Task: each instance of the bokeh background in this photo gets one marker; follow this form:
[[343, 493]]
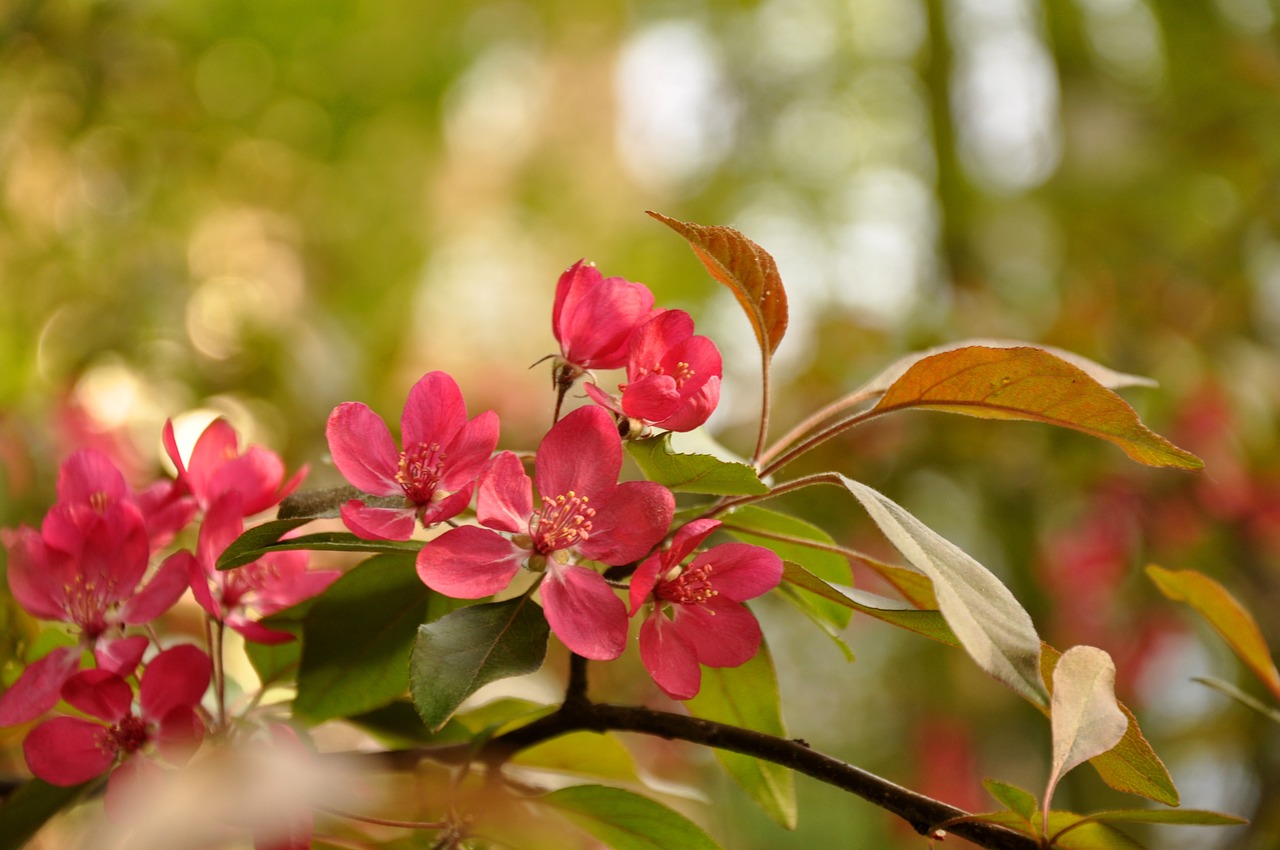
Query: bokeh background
[[262, 209]]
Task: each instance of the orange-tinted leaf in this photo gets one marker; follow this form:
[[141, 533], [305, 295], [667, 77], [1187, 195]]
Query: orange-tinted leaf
[[1227, 616], [1131, 766], [744, 267], [1034, 385]]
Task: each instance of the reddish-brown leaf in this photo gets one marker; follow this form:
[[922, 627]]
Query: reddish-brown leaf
[[748, 271], [1029, 384]]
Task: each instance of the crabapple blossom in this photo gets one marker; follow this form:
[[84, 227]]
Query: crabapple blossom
[[698, 617], [594, 316], [217, 466], [584, 513], [434, 474], [90, 477], [673, 376]]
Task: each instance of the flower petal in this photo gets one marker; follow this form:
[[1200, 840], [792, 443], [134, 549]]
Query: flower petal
[[179, 735], [88, 475], [378, 523], [470, 450], [630, 524], [695, 410], [160, 593], [669, 658], [644, 579], [584, 612], [68, 750], [581, 453], [434, 411], [37, 689], [363, 450], [722, 633], [741, 571], [99, 693], [38, 575], [690, 537], [176, 678], [468, 562], [506, 495], [652, 398], [122, 655]]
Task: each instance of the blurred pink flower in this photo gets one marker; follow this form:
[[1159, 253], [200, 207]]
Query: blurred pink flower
[[698, 616], [594, 316], [240, 597], [71, 750], [91, 478], [673, 376], [217, 466], [584, 512], [435, 473]]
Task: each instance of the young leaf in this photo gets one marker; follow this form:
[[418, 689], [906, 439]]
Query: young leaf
[[31, 806], [1228, 617], [693, 473], [747, 696], [748, 271], [930, 624], [986, 618], [581, 754], [626, 821], [1183, 817], [1109, 378], [462, 651], [356, 639], [1034, 385], [1131, 766], [1015, 799], [324, 541], [1085, 719], [1090, 836]]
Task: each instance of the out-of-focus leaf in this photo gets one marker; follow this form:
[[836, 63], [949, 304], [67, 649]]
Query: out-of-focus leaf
[[31, 807], [357, 637], [397, 724], [1228, 617], [992, 627], [1131, 766], [693, 473], [751, 524], [748, 271], [324, 541], [1185, 817], [1239, 696], [501, 715], [930, 624], [456, 655], [1034, 385], [627, 821], [1014, 798], [1109, 378], [1083, 713], [319, 504], [1090, 836], [582, 754], [747, 696], [249, 546]]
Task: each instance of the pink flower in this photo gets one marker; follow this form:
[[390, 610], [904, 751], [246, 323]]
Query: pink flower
[[435, 473], [240, 597], [594, 316], [584, 513], [698, 616], [673, 377], [71, 750], [90, 477], [217, 466], [84, 567]]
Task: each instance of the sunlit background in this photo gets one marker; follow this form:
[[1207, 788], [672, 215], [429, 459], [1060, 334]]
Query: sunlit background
[[262, 209]]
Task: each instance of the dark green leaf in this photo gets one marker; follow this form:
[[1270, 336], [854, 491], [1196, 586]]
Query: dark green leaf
[[747, 696], [626, 821], [462, 651], [693, 473], [318, 504], [31, 806], [324, 541], [248, 547], [357, 638]]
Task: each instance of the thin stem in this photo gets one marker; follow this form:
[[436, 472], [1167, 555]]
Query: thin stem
[[220, 674], [785, 487], [801, 541], [402, 824], [819, 438], [814, 421], [765, 405]]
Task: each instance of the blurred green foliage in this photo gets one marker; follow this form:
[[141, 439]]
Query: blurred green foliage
[[263, 209]]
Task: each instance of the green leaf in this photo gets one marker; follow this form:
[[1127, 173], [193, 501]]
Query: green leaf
[[627, 821], [324, 541], [1132, 766], [748, 271], [1090, 836], [459, 653], [319, 504], [357, 638], [1029, 384], [1021, 802], [1083, 713], [1178, 817], [397, 724], [986, 618], [747, 697], [763, 527], [693, 473], [1225, 614], [31, 807], [581, 754], [250, 545], [930, 624]]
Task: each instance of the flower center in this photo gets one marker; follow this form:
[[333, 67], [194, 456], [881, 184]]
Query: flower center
[[682, 372], [563, 522], [419, 472], [86, 604], [691, 587], [129, 735]]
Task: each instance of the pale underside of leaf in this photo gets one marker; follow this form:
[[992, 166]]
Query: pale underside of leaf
[[1084, 715]]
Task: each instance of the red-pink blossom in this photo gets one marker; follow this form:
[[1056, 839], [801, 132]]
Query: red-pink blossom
[[84, 567], [594, 316], [584, 513], [434, 474], [698, 617], [71, 750], [673, 376], [240, 597], [217, 466], [91, 478]]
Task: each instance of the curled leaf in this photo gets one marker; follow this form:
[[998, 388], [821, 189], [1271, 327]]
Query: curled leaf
[[1084, 715]]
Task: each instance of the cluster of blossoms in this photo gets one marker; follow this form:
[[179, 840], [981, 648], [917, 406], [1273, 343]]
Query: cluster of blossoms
[[105, 560]]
